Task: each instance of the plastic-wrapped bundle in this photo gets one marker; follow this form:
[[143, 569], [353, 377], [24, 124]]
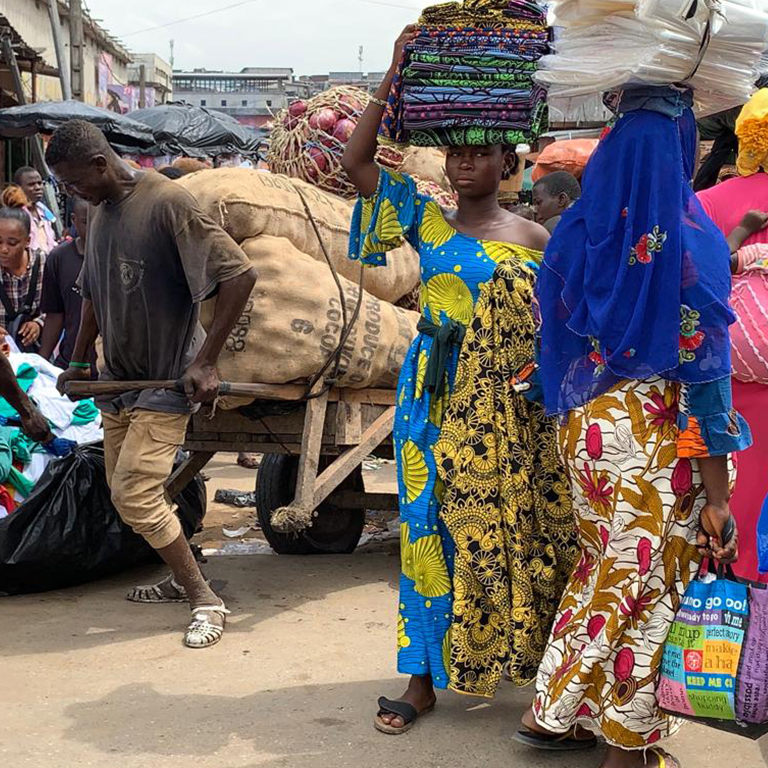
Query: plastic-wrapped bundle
[[608, 44]]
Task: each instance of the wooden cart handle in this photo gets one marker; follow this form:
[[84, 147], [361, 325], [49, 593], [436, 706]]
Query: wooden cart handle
[[290, 392]]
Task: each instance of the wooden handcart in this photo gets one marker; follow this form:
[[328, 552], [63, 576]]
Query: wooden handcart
[[313, 453]]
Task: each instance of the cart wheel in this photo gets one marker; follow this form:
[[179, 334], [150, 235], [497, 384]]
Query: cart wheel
[[334, 531]]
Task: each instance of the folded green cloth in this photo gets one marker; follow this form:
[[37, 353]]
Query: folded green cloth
[[85, 413], [474, 60], [469, 137], [25, 377], [9, 473], [466, 80]]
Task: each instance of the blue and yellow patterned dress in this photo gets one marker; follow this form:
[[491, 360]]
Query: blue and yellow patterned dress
[[454, 267]]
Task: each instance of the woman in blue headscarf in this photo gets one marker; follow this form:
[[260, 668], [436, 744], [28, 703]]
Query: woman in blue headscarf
[[635, 358]]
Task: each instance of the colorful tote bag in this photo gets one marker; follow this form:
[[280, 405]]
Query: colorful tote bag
[[715, 664]]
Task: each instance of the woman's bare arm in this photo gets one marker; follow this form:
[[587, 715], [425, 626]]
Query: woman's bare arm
[[359, 160]]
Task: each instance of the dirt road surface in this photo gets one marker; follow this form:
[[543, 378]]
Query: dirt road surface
[[90, 681]]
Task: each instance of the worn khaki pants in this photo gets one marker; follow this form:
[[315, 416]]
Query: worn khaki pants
[[139, 451]]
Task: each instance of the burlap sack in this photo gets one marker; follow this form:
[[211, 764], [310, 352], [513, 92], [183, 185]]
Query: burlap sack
[[252, 203], [427, 163], [293, 323]]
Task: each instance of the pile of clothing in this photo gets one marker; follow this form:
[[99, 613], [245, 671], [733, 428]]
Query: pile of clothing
[[467, 78], [23, 461], [716, 48]]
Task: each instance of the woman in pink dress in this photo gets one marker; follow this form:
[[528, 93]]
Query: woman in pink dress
[[727, 204]]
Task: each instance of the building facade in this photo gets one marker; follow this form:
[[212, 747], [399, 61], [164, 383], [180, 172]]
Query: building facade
[[158, 82], [105, 60], [252, 96], [366, 81]]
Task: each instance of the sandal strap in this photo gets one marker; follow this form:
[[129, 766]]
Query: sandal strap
[[403, 709], [220, 609]]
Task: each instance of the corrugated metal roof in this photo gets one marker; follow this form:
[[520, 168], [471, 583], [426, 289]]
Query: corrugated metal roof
[[25, 54]]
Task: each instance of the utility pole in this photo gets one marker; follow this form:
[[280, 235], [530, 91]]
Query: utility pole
[[173, 45], [142, 86], [360, 60], [61, 59], [76, 48]]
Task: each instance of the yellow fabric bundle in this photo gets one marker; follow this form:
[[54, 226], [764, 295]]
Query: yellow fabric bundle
[[752, 132], [474, 13]]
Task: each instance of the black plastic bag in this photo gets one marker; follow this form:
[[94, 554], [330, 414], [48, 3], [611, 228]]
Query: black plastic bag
[[68, 532]]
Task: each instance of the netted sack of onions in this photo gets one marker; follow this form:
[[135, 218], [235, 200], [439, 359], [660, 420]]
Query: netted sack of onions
[[309, 138], [436, 192]]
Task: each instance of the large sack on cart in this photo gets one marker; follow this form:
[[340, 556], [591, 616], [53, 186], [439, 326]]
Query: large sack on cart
[[293, 323], [251, 203], [68, 532]]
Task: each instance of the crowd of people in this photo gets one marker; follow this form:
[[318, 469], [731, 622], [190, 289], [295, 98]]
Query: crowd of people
[[567, 432], [566, 421]]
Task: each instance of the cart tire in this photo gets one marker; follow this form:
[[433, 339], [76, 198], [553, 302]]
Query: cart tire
[[333, 532]]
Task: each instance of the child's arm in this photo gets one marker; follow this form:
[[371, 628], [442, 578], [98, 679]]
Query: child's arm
[[753, 222]]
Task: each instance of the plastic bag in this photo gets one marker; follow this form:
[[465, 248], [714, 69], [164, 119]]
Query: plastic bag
[[68, 532], [762, 538], [602, 46], [715, 665], [570, 156]]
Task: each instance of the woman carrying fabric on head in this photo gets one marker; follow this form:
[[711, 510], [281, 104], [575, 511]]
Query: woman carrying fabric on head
[[459, 252], [635, 356], [729, 205]]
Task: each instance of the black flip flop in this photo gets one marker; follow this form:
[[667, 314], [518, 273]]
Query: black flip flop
[[403, 709], [566, 742]]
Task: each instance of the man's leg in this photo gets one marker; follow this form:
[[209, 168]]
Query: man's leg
[[115, 430], [143, 465]]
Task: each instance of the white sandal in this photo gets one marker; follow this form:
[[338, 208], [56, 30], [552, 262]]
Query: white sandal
[[201, 633]]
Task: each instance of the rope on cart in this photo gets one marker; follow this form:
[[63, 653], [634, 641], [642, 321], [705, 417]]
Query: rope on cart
[[348, 325]]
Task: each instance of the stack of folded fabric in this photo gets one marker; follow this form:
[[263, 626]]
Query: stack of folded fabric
[[467, 78]]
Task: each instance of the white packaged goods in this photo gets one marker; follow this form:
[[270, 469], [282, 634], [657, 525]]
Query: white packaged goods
[[604, 45]]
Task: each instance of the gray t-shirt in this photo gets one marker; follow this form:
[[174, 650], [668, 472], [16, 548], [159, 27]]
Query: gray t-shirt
[[150, 260]]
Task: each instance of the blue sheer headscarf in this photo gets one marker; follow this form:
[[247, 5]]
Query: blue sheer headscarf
[[636, 278]]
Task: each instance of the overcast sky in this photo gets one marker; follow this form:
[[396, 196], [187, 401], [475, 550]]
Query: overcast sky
[[312, 36]]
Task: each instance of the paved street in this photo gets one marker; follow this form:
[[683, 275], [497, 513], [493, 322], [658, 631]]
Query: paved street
[[91, 681]]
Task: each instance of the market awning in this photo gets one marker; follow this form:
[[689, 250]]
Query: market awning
[[47, 116], [182, 129]]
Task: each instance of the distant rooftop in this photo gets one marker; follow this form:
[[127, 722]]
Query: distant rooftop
[[278, 73]]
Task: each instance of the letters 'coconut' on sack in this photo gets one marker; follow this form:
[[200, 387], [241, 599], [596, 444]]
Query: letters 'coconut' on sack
[[293, 323], [252, 203]]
